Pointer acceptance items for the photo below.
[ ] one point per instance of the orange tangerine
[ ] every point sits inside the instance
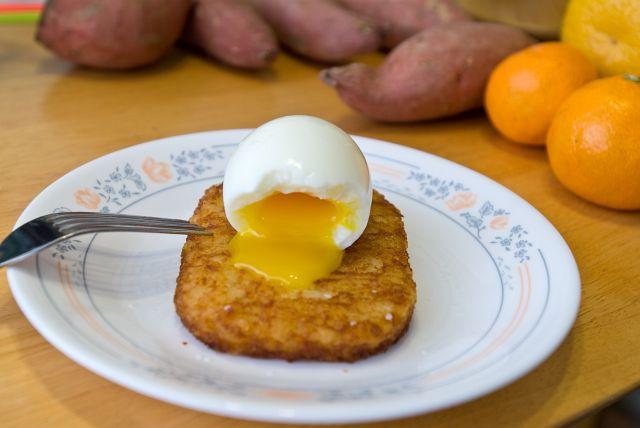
(594, 142)
(525, 90)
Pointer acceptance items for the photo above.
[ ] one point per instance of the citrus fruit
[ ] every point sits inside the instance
(607, 32)
(527, 87)
(594, 142)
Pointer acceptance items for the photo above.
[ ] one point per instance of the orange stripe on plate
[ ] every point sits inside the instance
(516, 319)
(65, 279)
(386, 170)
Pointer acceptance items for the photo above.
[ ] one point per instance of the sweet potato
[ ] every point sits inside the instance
(436, 73)
(233, 32)
(319, 29)
(400, 19)
(115, 34)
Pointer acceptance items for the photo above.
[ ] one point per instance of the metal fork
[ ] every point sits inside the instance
(50, 229)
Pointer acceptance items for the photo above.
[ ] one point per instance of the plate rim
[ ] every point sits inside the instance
(265, 411)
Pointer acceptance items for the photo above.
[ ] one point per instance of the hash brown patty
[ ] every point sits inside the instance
(359, 310)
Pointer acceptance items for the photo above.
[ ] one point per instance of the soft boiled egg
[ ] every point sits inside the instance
(298, 192)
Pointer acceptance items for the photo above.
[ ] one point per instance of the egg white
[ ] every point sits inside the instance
(300, 154)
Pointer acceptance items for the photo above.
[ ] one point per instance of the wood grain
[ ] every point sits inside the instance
(55, 117)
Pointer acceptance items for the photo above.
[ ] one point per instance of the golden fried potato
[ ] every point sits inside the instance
(359, 310)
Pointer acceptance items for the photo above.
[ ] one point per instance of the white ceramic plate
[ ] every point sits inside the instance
(498, 290)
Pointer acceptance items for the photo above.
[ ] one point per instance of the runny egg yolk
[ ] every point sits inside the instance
(289, 237)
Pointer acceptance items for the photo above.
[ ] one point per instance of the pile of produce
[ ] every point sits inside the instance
(440, 62)
(550, 94)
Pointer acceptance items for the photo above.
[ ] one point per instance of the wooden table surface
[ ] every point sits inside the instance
(55, 117)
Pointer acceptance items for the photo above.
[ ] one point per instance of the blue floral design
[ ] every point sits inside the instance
(120, 185)
(190, 164)
(515, 242)
(64, 247)
(476, 221)
(433, 187)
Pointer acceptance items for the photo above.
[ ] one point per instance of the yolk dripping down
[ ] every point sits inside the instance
(289, 237)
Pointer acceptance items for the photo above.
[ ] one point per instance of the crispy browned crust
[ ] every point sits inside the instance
(359, 310)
